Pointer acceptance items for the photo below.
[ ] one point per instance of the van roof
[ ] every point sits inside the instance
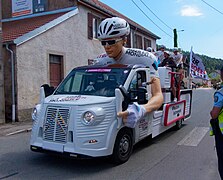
(129, 66)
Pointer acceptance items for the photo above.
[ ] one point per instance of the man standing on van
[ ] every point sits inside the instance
(217, 125)
(112, 33)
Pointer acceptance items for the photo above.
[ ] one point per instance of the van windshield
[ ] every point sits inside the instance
(95, 81)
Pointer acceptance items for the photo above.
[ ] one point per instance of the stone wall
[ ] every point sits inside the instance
(25, 114)
(2, 98)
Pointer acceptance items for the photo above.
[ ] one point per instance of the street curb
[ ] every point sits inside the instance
(19, 131)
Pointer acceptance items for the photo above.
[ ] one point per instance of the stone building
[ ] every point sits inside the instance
(2, 97)
(42, 43)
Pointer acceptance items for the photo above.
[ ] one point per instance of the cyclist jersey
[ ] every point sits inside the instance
(132, 56)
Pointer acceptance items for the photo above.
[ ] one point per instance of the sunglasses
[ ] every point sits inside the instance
(110, 42)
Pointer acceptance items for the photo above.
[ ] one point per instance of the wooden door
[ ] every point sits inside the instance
(56, 70)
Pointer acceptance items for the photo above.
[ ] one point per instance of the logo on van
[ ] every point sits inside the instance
(68, 98)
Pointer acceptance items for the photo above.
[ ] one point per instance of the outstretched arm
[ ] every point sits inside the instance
(153, 104)
(157, 97)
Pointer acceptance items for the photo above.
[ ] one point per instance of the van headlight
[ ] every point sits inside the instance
(34, 114)
(93, 116)
(88, 117)
(35, 111)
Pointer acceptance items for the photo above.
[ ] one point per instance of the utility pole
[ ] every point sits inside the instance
(2, 97)
(175, 38)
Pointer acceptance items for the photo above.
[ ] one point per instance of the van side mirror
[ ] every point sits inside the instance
(48, 89)
(127, 99)
(138, 95)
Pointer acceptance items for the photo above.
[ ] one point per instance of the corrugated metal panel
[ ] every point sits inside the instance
(55, 125)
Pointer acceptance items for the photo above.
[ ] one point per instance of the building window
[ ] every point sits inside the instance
(138, 41)
(95, 27)
(147, 43)
(93, 23)
(56, 69)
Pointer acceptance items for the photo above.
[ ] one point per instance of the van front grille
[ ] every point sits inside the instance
(55, 126)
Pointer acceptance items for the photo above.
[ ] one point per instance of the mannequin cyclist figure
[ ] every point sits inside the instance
(112, 33)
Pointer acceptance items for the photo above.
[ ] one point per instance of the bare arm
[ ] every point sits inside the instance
(215, 112)
(157, 97)
(155, 101)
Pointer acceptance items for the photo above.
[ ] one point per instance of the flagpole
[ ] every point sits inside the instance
(190, 75)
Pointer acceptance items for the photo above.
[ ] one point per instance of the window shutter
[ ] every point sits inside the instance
(145, 45)
(138, 41)
(90, 24)
(128, 44)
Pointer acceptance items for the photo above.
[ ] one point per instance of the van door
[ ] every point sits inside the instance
(143, 127)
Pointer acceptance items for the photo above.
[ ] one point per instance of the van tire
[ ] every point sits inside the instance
(123, 147)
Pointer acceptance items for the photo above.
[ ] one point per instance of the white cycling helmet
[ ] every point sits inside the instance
(167, 52)
(149, 49)
(113, 27)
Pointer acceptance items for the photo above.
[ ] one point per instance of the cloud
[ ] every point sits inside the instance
(190, 11)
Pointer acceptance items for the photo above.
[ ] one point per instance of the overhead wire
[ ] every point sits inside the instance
(150, 19)
(156, 15)
(212, 7)
(159, 19)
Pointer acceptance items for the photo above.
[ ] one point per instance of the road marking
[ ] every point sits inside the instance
(9, 175)
(194, 137)
(19, 131)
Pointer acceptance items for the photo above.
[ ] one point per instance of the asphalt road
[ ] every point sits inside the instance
(187, 154)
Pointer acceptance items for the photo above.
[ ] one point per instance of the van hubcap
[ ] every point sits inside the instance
(124, 145)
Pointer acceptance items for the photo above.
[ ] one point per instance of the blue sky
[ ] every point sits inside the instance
(202, 25)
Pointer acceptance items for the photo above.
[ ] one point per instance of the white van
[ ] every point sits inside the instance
(79, 118)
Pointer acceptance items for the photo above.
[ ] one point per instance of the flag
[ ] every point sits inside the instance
(197, 68)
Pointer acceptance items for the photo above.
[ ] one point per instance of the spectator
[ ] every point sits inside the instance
(168, 61)
(149, 49)
(178, 58)
(160, 54)
(217, 125)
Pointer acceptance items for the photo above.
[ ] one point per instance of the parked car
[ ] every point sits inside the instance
(194, 85)
(217, 86)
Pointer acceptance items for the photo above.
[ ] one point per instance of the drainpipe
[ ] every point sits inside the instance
(13, 82)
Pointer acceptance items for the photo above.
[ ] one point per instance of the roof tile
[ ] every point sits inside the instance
(14, 29)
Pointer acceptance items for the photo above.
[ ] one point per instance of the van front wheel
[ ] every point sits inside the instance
(123, 147)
